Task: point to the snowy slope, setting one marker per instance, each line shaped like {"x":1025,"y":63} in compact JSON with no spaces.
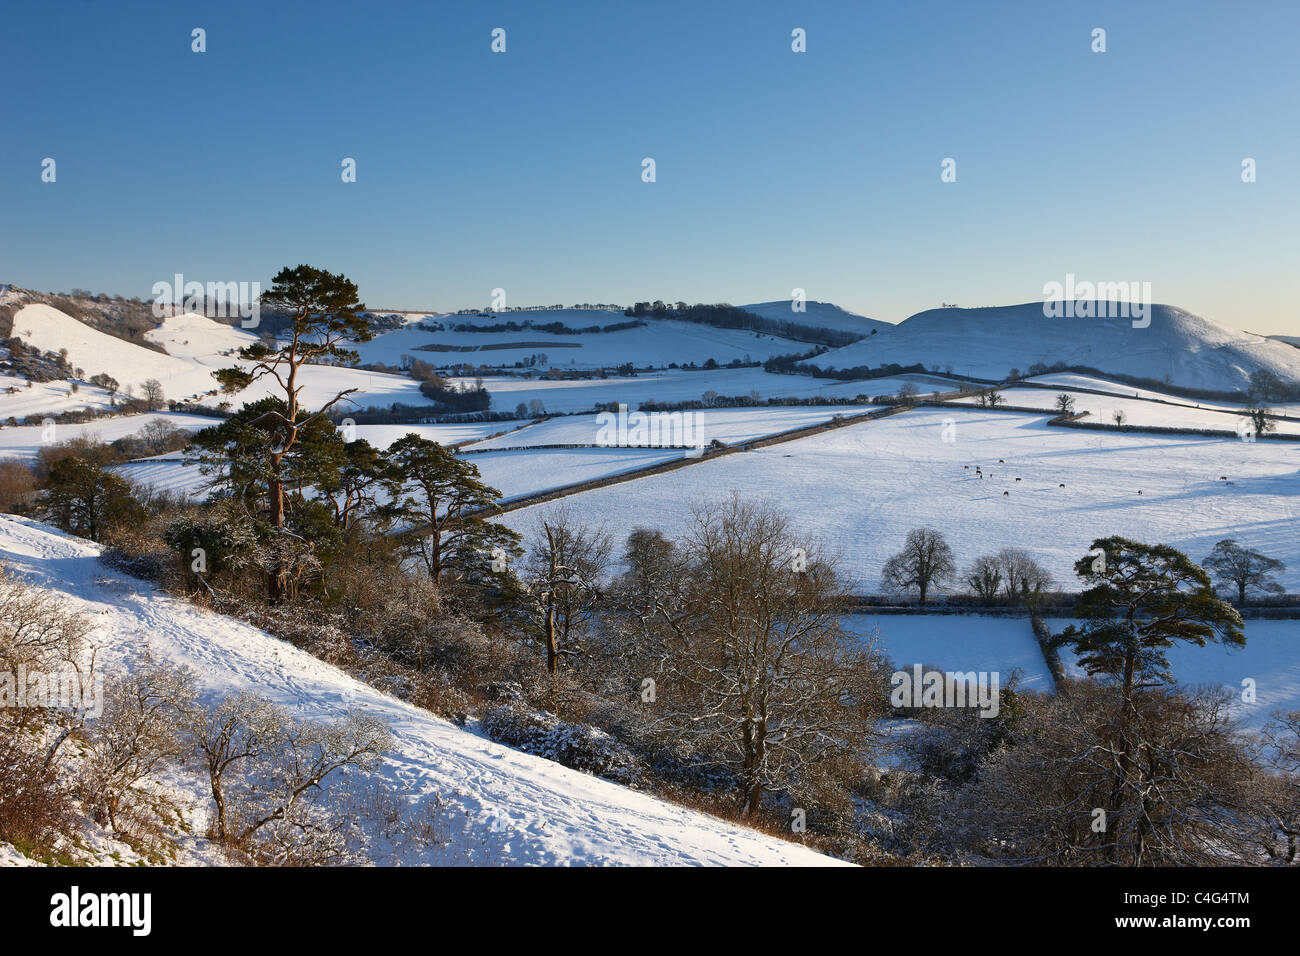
{"x":1178,"y":346}
{"x":196,"y":336}
{"x":821,"y":315}
{"x":25,"y":441}
{"x":48,"y":398}
{"x":46,"y":328}
{"x":200,"y":347}
{"x":526,"y":810}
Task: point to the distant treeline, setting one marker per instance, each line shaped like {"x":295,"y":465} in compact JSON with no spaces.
{"x":551,"y":328}
{"x":400,"y":414}
{"x":737,"y":401}
{"x":724,"y":316}
{"x":793,"y":364}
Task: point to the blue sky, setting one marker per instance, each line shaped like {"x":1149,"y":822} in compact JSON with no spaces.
{"x":775,"y":170}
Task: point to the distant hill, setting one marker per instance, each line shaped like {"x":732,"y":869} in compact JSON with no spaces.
{"x":821,"y":315}
{"x":1177,"y":347}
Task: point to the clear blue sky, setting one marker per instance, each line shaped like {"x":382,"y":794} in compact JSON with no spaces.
{"x":775,"y":170}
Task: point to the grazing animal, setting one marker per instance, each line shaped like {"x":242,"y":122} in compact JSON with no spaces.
{"x":1061,"y":485}
{"x":1139,"y":491}
{"x":1001,"y":462}
{"x":1223,"y":477}
{"x":1007,"y":493}
{"x":1017,"y":479}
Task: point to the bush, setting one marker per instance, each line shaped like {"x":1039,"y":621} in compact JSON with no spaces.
{"x":578,"y":746}
{"x":34,"y":806}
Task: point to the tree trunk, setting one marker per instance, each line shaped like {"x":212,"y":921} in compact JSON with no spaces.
{"x":552,"y":648}
{"x":1125,"y":755}
{"x":275,"y":575}
{"x":219,"y":799}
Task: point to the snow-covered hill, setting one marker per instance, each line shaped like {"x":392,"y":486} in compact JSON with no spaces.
{"x":821,"y":315}
{"x":522,"y":810}
{"x":46,"y":328}
{"x":196,"y":346}
{"x":1178,"y":347}
{"x":656,"y":342}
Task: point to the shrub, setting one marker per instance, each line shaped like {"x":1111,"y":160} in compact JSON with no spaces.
{"x":578,"y":746}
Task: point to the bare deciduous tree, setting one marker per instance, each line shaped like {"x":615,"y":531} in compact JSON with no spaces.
{"x":756,"y":670}
{"x":926,"y":563}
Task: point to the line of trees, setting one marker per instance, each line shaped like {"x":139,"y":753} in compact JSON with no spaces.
{"x":1012,"y":576}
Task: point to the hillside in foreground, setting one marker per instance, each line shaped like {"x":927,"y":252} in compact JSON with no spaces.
{"x":508,"y":808}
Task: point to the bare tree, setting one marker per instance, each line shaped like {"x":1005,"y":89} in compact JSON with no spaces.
{"x":1243,"y":569}
{"x":756,"y":671}
{"x":139,"y":734}
{"x":1024,"y":579}
{"x":985,"y":578}
{"x":566,"y":565}
{"x":152,"y":392}
{"x":280,"y":761}
{"x":1049,"y":797}
{"x":925,"y":563}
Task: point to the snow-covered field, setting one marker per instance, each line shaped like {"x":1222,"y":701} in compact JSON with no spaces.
{"x":1271,"y":658}
{"x":513,"y":473}
{"x":860,"y":489}
{"x":521,"y":810}
{"x":675,"y":385}
{"x":723,"y":424}
{"x":47,"y":398}
{"x":25,"y":441}
{"x":957,"y":643}
{"x":1137,"y":412}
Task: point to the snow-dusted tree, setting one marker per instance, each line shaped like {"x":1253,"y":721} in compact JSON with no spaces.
{"x":138,"y":735}
{"x":1053,"y":796}
{"x":1141,"y":600}
{"x":1261,"y":420}
{"x":926,"y":563}
{"x":324,"y":316}
{"x":1024,"y":579}
{"x":985,"y":578}
{"x":446,"y":509}
{"x":79,"y":496}
{"x":564,"y":577}
{"x":1065,"y":404}
{"x":152,"y":392}
{"x":1281,"y":754}
{"x":1243,"y":569}
{"x":756,"y":671}
{"x":40,"y":633}
{"x":276,"y":761}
